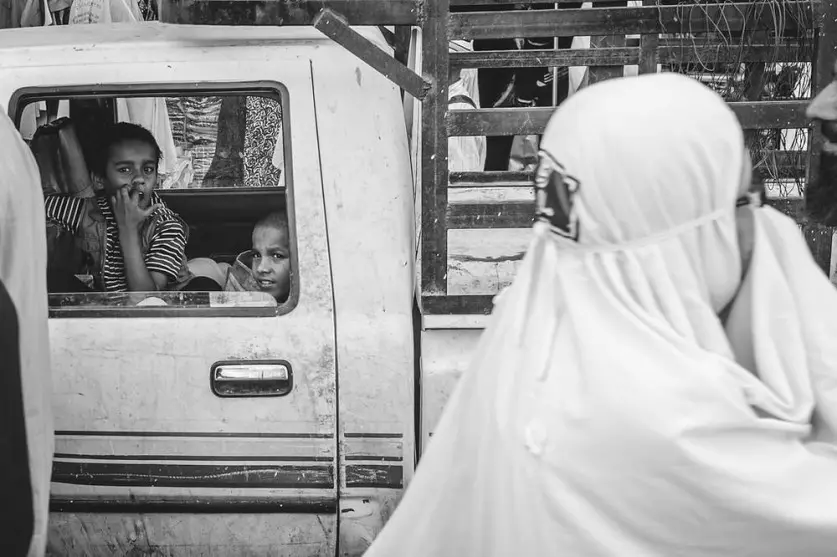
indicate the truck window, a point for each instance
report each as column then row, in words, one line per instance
column 222, row 233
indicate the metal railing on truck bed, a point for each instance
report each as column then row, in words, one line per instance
column 748, row 38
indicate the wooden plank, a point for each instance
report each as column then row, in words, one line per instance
column 787, row 164
column 794, row 208
column 532, row 121
column 683, row 51
column 296, row 12
column 502, row 214
column 491, row 179
column 595, row 74
column 549, row 58
column 434, row 152
column 818, row 238
column 635, row 20
column 457, row 305
column 821, row 190
column 489, row 185
column 492, row 3
column 402, row 43
column 337, row 29
column 668, row 53
column 520, row 214
column 498, row 121
column 771, row 114
column 649, row 52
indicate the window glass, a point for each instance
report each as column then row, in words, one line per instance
column 210, row 217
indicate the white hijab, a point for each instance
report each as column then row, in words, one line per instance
column 23, row 265
column 608, row 411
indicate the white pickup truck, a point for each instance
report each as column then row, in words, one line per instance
column 216, row 423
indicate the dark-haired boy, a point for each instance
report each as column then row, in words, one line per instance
column 269, row 260
column 266, row 267
column 125, row 236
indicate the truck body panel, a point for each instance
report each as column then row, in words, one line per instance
column 147, row 457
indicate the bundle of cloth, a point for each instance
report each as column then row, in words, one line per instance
column 150, row 113
column 661, row 377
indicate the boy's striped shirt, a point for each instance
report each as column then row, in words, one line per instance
column 165, row 252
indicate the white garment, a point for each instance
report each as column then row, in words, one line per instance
column 607, row 412
column 35, row 115
column 578, row 74
column 465, row 153
column 23, row 274
column 150, row 113
column 104, row 11
column 469, row 76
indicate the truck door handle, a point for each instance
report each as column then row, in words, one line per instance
column 249, row 379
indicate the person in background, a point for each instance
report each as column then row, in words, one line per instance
column 465, row 153
column 496, row 89
column 22, row 13
column 661, row 377
column 26, row 445
column 516, row 87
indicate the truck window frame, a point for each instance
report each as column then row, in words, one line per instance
column 264, row 88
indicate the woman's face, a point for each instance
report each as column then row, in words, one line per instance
column 744, row 221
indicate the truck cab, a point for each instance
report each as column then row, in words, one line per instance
column 226, row 423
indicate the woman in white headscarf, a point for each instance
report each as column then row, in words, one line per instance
column 661, row 378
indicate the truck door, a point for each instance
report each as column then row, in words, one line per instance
column 194, row 420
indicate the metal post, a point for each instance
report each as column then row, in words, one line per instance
column 434, row 153
column 820, row 189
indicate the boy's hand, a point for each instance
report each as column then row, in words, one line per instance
column 129, row 215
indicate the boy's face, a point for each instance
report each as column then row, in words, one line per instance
column 271, row 261
column 133, row 165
